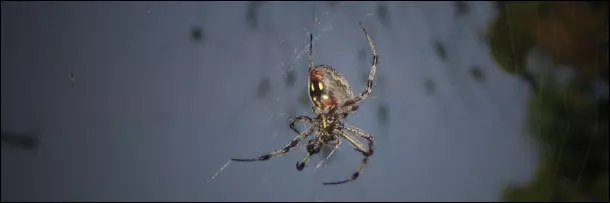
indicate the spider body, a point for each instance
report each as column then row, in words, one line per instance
column 333, row 100
column 327, row 88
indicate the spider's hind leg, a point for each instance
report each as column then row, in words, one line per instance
column 336, row 146
column 282, row 151
column 367, row 152
column 313, row 147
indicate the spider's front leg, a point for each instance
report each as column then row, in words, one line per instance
column 299, row 119
column 282, row 151
column 359, row 147
column 369, row 84
column 311, row 66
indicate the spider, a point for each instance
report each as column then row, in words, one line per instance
column 333, row 100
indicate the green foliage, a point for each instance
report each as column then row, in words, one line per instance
column 510, row 39
column 545, row 187
column 574, row 34
column 566, row 120
column 568, row 124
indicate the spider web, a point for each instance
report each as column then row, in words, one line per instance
column 323, row 20
column 276, row 92
column 293, row 68
column 295, row 63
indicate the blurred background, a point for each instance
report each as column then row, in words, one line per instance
column 146, row 101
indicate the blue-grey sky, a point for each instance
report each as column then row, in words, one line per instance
column 153, row 114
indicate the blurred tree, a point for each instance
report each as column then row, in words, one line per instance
column 570, row 127
column 510, row 40
column 544, row 188
column 576, row 34
column 567, row 121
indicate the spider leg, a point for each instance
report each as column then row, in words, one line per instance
column 369, row 84
column 298, row 119
column 282, row 151
column 331, row 153
column 310, row 51
column 360, row 133
column 345, row 133
column 352, row 109
column 301, row 165
column 313, row 147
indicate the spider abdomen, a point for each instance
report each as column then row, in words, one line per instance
column 327, row 87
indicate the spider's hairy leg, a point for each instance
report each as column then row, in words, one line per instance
column 313, row 147
column 282, row 151
column 337, row 145
column 369, row 84
column 301, row 165
column 352, row 109
column 346, row 133
column 360, row 133
column 304, row 119
column 311, row 66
